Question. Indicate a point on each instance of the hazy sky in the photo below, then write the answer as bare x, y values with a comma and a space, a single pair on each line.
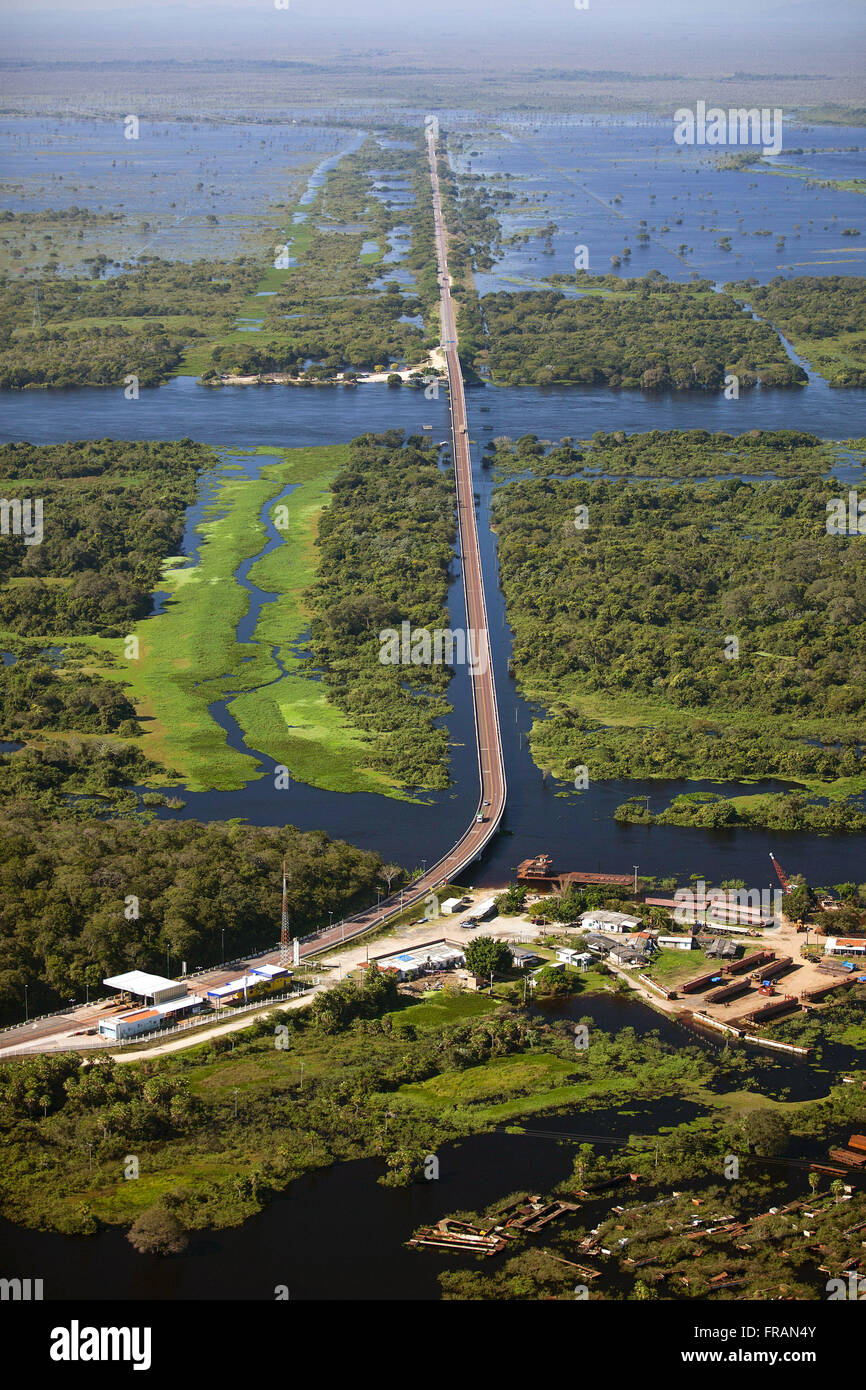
802, 34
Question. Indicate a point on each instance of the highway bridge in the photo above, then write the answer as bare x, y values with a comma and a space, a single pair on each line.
50, 1033
488, 737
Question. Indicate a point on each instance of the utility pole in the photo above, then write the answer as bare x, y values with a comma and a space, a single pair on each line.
635, 878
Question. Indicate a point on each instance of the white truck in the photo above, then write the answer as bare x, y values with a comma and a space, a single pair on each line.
485, 910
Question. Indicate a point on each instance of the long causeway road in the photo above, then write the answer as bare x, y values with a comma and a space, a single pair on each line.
52, 1033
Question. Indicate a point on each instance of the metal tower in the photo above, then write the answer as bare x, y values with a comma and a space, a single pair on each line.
285, 938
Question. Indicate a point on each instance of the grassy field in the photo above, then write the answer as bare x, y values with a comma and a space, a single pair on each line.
442, 1008
540, 1072
292, 720
189, 655
670, 967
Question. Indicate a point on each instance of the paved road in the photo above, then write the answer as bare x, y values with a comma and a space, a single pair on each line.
491, 764
47, 1034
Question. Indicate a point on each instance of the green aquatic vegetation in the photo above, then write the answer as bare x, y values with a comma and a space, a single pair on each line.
189, 655
292, 719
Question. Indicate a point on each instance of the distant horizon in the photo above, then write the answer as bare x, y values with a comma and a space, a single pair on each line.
781, 37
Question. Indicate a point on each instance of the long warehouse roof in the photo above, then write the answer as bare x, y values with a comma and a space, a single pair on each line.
139, 982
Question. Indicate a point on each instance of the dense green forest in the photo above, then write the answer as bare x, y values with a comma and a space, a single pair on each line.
36, 695
77, 777
824, 317
90, 356
385, 549
112, 512
670, 454
654, 336
97, 332
64, 887
100, 557
711, 629
778, 811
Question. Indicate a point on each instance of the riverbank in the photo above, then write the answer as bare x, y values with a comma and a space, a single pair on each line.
433, 365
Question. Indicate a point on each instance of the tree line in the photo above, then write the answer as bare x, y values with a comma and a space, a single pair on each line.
385, 550
113, 510
81, 900
656, 336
